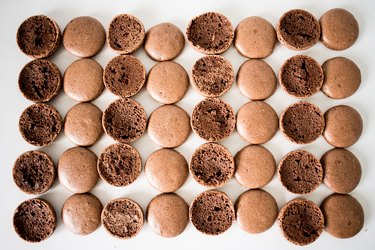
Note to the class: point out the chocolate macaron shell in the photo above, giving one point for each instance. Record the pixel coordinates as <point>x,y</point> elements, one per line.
<point>34,220</point>
<point>301,221</point>
<point>210,33</point>
<point>122,218</point>
<point>212,212</point>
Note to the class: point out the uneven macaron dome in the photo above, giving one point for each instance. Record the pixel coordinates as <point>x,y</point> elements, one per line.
<point>302,122</point>
<point>40,80</point>
<point>34,220</point>
<point>298,29</point>
<point>212,212</point>
<point>212,76</point>
<point>212,165</point>
<point>38,36</point>
<point>124,120</point>
<point>125,34</point>
<point>34,172</point>
<point>40,124</point>
<point>210,33</point>
<point>301,76</point>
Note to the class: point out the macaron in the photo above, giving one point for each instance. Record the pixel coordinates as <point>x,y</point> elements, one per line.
<point>255,37</point>
<point>256,80</point>
<point>166,170</point>
<point>342,170</point>
<point>256,211</point>
<point>255,166</point>
<point>257,122</point>
<point>124,76</point>
<point>344,126</point>
<point>167,82</point>
<point>340,29</point>
<point>212,165</point>
<point>84,36</point>
<point>342,77</point>
<point>169,126</point>
<point>212,76</point>
<point>119,164</point>
<point>302,122</point>
<point>301,221</point>
<point>40,80</point>
<point>298,29</point>
<point>124,120</point>
<point>212,212</point>
<point>34,220</point>
<point>81,213</point>
<point>40,124</point>
<point>164,42</point>
<point>83,124</point>
<point>125,34</point>
<point>210,33</point>
<point>122,218</point>
<point>38,36</point>
<point>301,76</point>
<point>300,172</point>
<point>34,172</point>
<point>213,119</point>
<point>83,80</point>
<point>77,169</point>
<point>343,214</point>
<point>168,215</point>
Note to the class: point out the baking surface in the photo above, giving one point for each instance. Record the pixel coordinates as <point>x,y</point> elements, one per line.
<point>151,12</point>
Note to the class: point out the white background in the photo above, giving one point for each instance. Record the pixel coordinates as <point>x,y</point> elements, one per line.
<point>152,12</point>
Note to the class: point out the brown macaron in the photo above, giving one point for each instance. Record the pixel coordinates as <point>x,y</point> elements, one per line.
<point>164,42</point>
<point>169,126</point>
<point>212,165</point>
<point>40,124</point>
<point>255,37</point>
<point>256,211</point>
<point>256,80</point>
<point>168,215</point>
<point>34,172</point>
<point>255,166</point>
<point>298,29</point>
<point>77,169</point>
<point>83,124</point>
<point>125,34</point>
<point>122,218</point>
<point>210,33</point>
<point>124,76</point>
<point>212,212</point>
<point>40,80</point>
<point>38,36</point>
<point>119,164</point>
<point>166,170</point>
<point>124,120</point>
<point>301,76</point>
<point>83,80</point>
<point>342,78</point>
<point>340,29</point>
<point>343,214</point>
<point>167,82</point>
<point>212,76</point>
<point>301,221</point>
<point>342,170</point>
<point>213,119</point>
<point>34,220</point>
<point>302,122</point>
<point>344,126</point>
<point>84,36</point>
<point>300,172</point>
<point>257,122</point>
